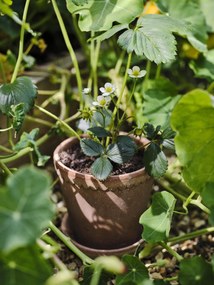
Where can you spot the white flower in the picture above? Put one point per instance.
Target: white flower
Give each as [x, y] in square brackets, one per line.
[107, 89]
[86, 91]
[135, 72]
[102, 101]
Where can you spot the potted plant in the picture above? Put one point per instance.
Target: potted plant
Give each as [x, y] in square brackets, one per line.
[106, 174]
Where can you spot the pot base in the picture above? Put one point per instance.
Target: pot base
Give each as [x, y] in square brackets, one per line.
[93, 252]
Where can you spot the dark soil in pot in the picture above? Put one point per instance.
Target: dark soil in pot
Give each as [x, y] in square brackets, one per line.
[75, 159]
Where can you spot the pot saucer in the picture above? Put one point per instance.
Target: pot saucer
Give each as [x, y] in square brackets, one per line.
[94, 252]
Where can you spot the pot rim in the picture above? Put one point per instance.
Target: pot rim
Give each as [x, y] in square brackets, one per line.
[63, 145]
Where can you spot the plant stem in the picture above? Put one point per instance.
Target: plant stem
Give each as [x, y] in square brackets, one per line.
[191, 235]
[7, 129]
[171, 251]
[21, 42]
[158, 71]
[163, 184]
[70, 50]
[198, 203]
[2, 72]
[5, 149]
[71, 131]
[122, 90]
[72, 118]
[39, 121]
[96, 275]
[5, 168]
[148, 70]
[17, 155]
[66, 240]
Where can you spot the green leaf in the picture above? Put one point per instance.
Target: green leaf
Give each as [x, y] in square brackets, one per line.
[188, 13]
[155, 44]
[29, 140]
[136, 271]
[25, 208]
[207, 8]
[122, 151]
[203, 67]
[100, 132]
[195, 271]
[24, 266]
[156, 220]
[193, 120]
[100, 15]
[109, 33]
[103, 119]
[90, 147]
[18, 115]
[4, 7]
[160, 99]
[169, 144]
[80, 2]
[22, 90]
[101, 168]
[155, 160]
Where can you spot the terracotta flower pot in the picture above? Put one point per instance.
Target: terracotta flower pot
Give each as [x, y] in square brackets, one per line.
[103, 214]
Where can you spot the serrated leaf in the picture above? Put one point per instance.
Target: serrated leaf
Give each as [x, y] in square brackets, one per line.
[156, 45]
[136, 271]
[29, 140]
[90, 147]
[168, 133]
[122, 151]
[24, 266]
[188, 13]
[17, 113]
[102, 120]
[169, 144]
[193, 120]
[195, 271]
[22, 90]
[100, 15]
[155, 160]
[156, 220]
[25, 208]
[160, 98]
[101, 168]
[100, 132]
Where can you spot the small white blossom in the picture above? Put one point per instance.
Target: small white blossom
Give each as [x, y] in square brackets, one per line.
[102, 101]
[135, 72]
[86, 91]
[108, 89]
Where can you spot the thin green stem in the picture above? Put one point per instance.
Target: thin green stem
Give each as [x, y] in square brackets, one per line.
[95, 63]
[70, 131]
[122, 90]
[129, 101]
[17, 155]
[72, 118]
[39, 121]
[70, 50]
[21, 42]
[163, 184]
[171, 251]
[66, 240]
[5, 130]
[191, 235]
[5, 149]
[148, 71]
[2, 72]
[5, 168]
[158, 71]
[96, 275]
[198, 203]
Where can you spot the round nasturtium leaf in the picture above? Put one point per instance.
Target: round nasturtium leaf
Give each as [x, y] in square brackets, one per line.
[193, 120]
[22, 90]
[25, 208]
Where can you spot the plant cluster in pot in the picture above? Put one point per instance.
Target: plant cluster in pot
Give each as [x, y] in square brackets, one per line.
[107, 175]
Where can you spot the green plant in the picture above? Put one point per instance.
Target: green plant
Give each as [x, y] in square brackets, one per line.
[135, 101]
